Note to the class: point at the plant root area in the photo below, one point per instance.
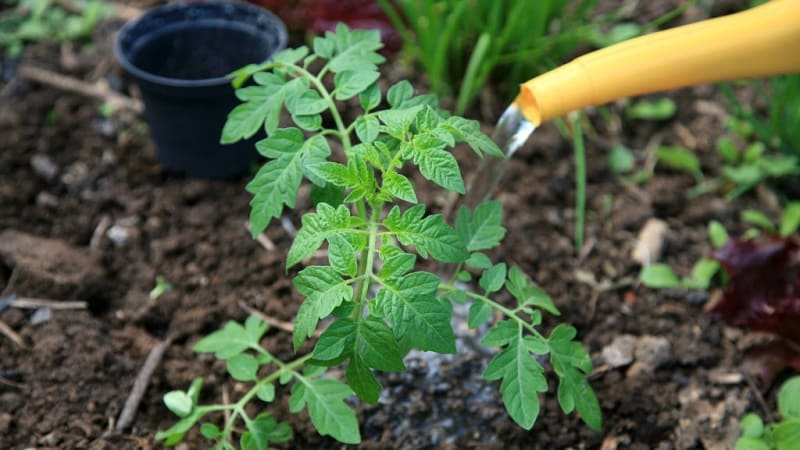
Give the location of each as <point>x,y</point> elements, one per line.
<point>87,214</point>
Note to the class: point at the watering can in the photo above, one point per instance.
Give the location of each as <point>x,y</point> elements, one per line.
<point>759,42</point>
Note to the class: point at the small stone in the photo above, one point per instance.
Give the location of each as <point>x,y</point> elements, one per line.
<point>40,316</point>
<point>118,235</point>
<point>44,167</point>
<point>620,351</point>
<point>46,200</point>
<point>653,350</point>
<point>75,175</point>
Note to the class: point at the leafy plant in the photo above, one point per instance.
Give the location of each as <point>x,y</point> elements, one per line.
<point>38,20</point>
<point>783,435</point>
<point>374,305</point>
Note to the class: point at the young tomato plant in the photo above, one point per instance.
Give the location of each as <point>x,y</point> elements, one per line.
<point>377,305</point>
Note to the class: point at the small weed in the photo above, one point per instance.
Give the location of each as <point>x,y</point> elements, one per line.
<point>782,435</point>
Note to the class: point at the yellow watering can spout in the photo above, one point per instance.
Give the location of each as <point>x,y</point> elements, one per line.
<point>758,42</point>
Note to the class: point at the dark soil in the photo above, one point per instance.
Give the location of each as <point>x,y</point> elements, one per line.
<point>92,186</point>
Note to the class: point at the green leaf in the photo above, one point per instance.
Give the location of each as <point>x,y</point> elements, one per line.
<point>399,186</point>
<point>786,434</point>
<point>278,180</point>
<point>750,443</point>
<point>479,313</point>
<point>243,367</point>
<point>329,413</point>
<point>367,128</point>
<point>441,167</point>
<point>501,334</point>
<point>411,305</point>
<point>361,379</point>
<point>370,98</point>
<point>337,340</point>
<point>620,159</point>
<point>380,348</point>
<point>324,290</point>
<point>306,104</point>
<point>679,158</point>
<point>572,364</point>
<point>227,342</point>
<point>398,121</point>
<point>727,149</point>
<point>342,255</point>
<point>350,83</point>
<point>526,293</point>
<point>355,50</point>
<point>263,430</point>
<point>523,379</point>
<point>492,279</point>
<point>429,235</point>
<point>399,93</point>
<point>324,47</point>
<point>396,262</point>
<point>752,426</point>
<point>266,393</point>
<point>660,109</point>
<point>758,219</point>
<point>659,276</point>
<point>210,431</point>
<point>717,234</point>
<point>179,403</point>
<point>469,131</point>
<point>316,228</point>
<point>478,261</point>
<point>255,328</point>
<point>789,399</point>
<point>483,229</point>
<point>175,433</point>
<point>262,107</point>
<point>290,55</point>
<point>790,220</point>
<point>702,273</point>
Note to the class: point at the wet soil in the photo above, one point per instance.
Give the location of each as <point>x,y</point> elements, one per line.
<point>91,184</point>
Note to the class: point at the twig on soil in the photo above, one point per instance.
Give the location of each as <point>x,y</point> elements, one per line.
<point>11,334</point>
<point>140,385</point>
<point>58,81</point>
<point>766,413</point>
<point>36,303</point>
<point>226,400</point>
<point>261,238</point>
<point>277,323</point>
<point>13,384</point>
<point>11,280</point>
<point>99,232</point>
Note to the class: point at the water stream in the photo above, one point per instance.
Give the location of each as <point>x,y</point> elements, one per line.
<point>511,132</point>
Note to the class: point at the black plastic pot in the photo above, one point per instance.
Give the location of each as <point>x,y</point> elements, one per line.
<point>179,55</point>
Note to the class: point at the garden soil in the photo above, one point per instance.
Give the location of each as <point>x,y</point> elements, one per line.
<point>87,213</point>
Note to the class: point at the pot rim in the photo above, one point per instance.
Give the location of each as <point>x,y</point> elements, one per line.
<point>123,57</point>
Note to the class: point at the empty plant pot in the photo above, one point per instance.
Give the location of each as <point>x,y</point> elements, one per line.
<point>180,55</point>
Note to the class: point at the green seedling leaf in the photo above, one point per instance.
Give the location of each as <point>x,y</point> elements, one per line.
<point>749,443</point>
<point>789,400</point>
<point>524,291</point>
<point>752,426</point>
<point>329,413</point>
<point>786,434</point>
<point>618,33</point>
<point>479,313</point>
<point>227,342</point>
<point>439,166</point>
<point>717,233</point>
<point>501,334</point>
<point>790,220</point>
<point>367,128</point>
<point>342,255</point>
<point>350,83</point>
<point>363,382</point>
<point>161,287</point>
<point>396,262</point>
<point>465,130</point>
<point>621,159</point>
<point>336,341</point>
<point>679,158</point>
<point>493,279</point>
<point>659,276</point>
<point>399,186</point>
<point>370,98</point>
<point>324,289</point>
<point>758,219</point>
<point>255,328</point>
<point>210,431</point>
<point>175,433</point>
<point>179,403</point>
<point>727,149</point>
<point>478,260</point>
<point>660,109</point>
<point>290,56</point>
<point>380,348</point>
<point>702,273</point>
<point>523,379</point>
<point>753,152</point>
<point>266,393</point>
<point>243,367</point>
<point>399,93</point>
<point>316,228</point>
<point>430,235</point>
<point>572,364</point>
<point>263,430</point>
<point>481,230</point>
<point>416,314</point>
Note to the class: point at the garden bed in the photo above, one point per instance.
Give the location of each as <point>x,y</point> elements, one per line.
<point>91,182</point>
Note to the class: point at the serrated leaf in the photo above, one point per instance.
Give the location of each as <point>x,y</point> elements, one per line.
<point>380,349</point>
<point>523,379</point>
<point>329,413</point>
<point>483,229</point>
<point>307,103</point>
<point>439,166</point>
<point>479,313</point>
<point>263,430</point>
<point>370,98</point>
<point>266,393</point>
<point>367,128</point>
<point>350,83</point>
<point>411,305</point>
<point>243,367</point>
<point>526,293</point>
<point>316,228</point>
<point>324,47</point>
<point>336,340</point>
<point>478,261</point>
<point>309,123</point>
<point>324,290</point>
<point>492,279</point>
<point>290,55</point>
<point>342,255</point>
<point>399,186</point>
<point>227,342</point>
<point>396,262</point>
<point>469,131</point>
<point>255,328</point>
<point>572,364</point>
<point>398,121</point>
<point>179,403</point>
<point>429,235</point>
<point>659,276</point>
<point>501,334</point>
<point>361,379</point>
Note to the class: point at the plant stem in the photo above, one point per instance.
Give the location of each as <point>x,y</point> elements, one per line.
<point>580,180</point>
<point>369,262</point>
